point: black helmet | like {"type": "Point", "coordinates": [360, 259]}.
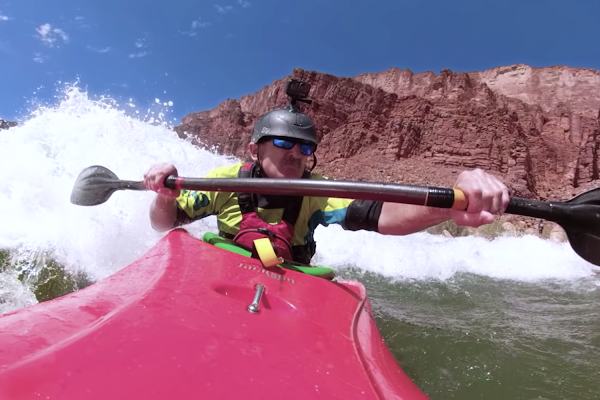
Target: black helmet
{"type": "Point", "coordinates": [285, 122]}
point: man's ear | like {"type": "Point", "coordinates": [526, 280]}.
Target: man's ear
{"type": "Point", "coordinates": [253, 149]}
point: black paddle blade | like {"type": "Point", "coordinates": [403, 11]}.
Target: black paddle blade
{"type": "Point", "coordinates": [585, 244]}
{"type": "Point", "coordinates": [583, 231]}
{"type": "Point", "coordinates": [96, 184]}
{"type": "Point", "coordinates": [579, 217]}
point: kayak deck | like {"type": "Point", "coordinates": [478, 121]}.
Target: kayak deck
{"type": "Point", "coordinates": [175, 324]}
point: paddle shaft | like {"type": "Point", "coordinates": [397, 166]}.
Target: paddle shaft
{"type": "Point", "coordinates": [429, 196]}
{"type": "Point", "coordinates": [400, 193]}
{"type": "Point", "coordinates": [133, 185]}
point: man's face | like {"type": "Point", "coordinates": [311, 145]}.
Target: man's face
{"type": "Point", "coordinates": [279, 162]}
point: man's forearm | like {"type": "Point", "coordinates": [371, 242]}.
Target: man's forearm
{"type": "Point", "coordinates": [404, 219]}
{"type": "Point", "coordinates": [163, 213]}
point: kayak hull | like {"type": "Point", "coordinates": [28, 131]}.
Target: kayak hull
{"type": "Point", "coordinates": [175, 324]}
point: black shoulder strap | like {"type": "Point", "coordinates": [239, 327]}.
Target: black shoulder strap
{"type": "Point", "coordinates": [293, 204]}
{"type": "Point", "coordinates": [245, 199]}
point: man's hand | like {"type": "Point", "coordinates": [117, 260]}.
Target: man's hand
{"type": "Point", "coordinates": [154, 179]}
{"type": "Point", "coordinates": [486, 196]}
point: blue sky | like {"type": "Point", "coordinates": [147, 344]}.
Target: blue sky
{"type": "Point", "coordinates": [199, 53]}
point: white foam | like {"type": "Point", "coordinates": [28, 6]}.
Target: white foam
{"type": "Point", "coordinates": [423, 256]}
{"type": "Point", "coordinates": [41, 159]}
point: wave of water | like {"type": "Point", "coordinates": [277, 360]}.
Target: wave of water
{"type": "Point", "coordinates": [422, 256]}
{"type": "Point", "coordinates": [42, 157]}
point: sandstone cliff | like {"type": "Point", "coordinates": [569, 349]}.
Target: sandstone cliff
{"type": "Point", "coordinates": [536, 128]}
{"type": "Point", "coordinates": [550, 88]}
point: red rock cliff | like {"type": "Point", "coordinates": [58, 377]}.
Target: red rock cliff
{"type": "Point", "coordinates": [536, 128]}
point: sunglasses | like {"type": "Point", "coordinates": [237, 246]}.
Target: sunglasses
{"type": "Point", "coordinates": [305, 149]}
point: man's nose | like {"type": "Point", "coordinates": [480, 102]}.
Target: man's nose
{"type": "Point", "coordinates": [296, 151]}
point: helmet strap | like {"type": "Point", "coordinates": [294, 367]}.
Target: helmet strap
{"type": "Point", "coordinates": [314, 162]}
{"type": "Point", "coordinates": [259, 162]}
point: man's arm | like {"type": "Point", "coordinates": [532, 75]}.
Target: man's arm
{"type": "Point", "coordinates": [173, 207]}
{"type": "Point", "coordinates": [163, 213]}
{"type": "Point", "coordinates": [163, 210]}
{"type": "Point", "coordinates": [404, 219]}
{"type": "Point", "coordinates": [485, 194]}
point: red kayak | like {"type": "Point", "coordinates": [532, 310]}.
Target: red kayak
{"type": "Point", "coordinates": [189, 320]}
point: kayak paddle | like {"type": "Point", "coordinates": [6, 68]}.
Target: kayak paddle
{"type": "Point", "coordinates": [579, 217]}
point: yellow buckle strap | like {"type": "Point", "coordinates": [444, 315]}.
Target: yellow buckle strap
{"type": "Point", "coordinates": [266, 253]}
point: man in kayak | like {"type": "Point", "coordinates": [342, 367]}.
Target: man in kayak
{"type": "Point", "coordinates": [281, 145]}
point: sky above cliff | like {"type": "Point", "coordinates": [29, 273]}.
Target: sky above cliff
{"type": "Point", "coordinates": [198, 53]}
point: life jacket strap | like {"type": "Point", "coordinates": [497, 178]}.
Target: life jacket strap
{"type": "Point", "coordinates": [266, 253]}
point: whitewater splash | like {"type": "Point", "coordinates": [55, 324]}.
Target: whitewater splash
{"type": "Point", "coordinates": [42, 157]}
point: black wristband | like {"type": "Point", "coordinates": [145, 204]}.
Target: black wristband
{"type": "Point", "coordinates": [363, 214]}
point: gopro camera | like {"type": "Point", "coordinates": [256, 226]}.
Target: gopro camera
{"type": "Point", "coordinates": [298, 90]}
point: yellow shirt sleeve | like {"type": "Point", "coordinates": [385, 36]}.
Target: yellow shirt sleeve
{"type": "Point", "coordinates": [199, 204]}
